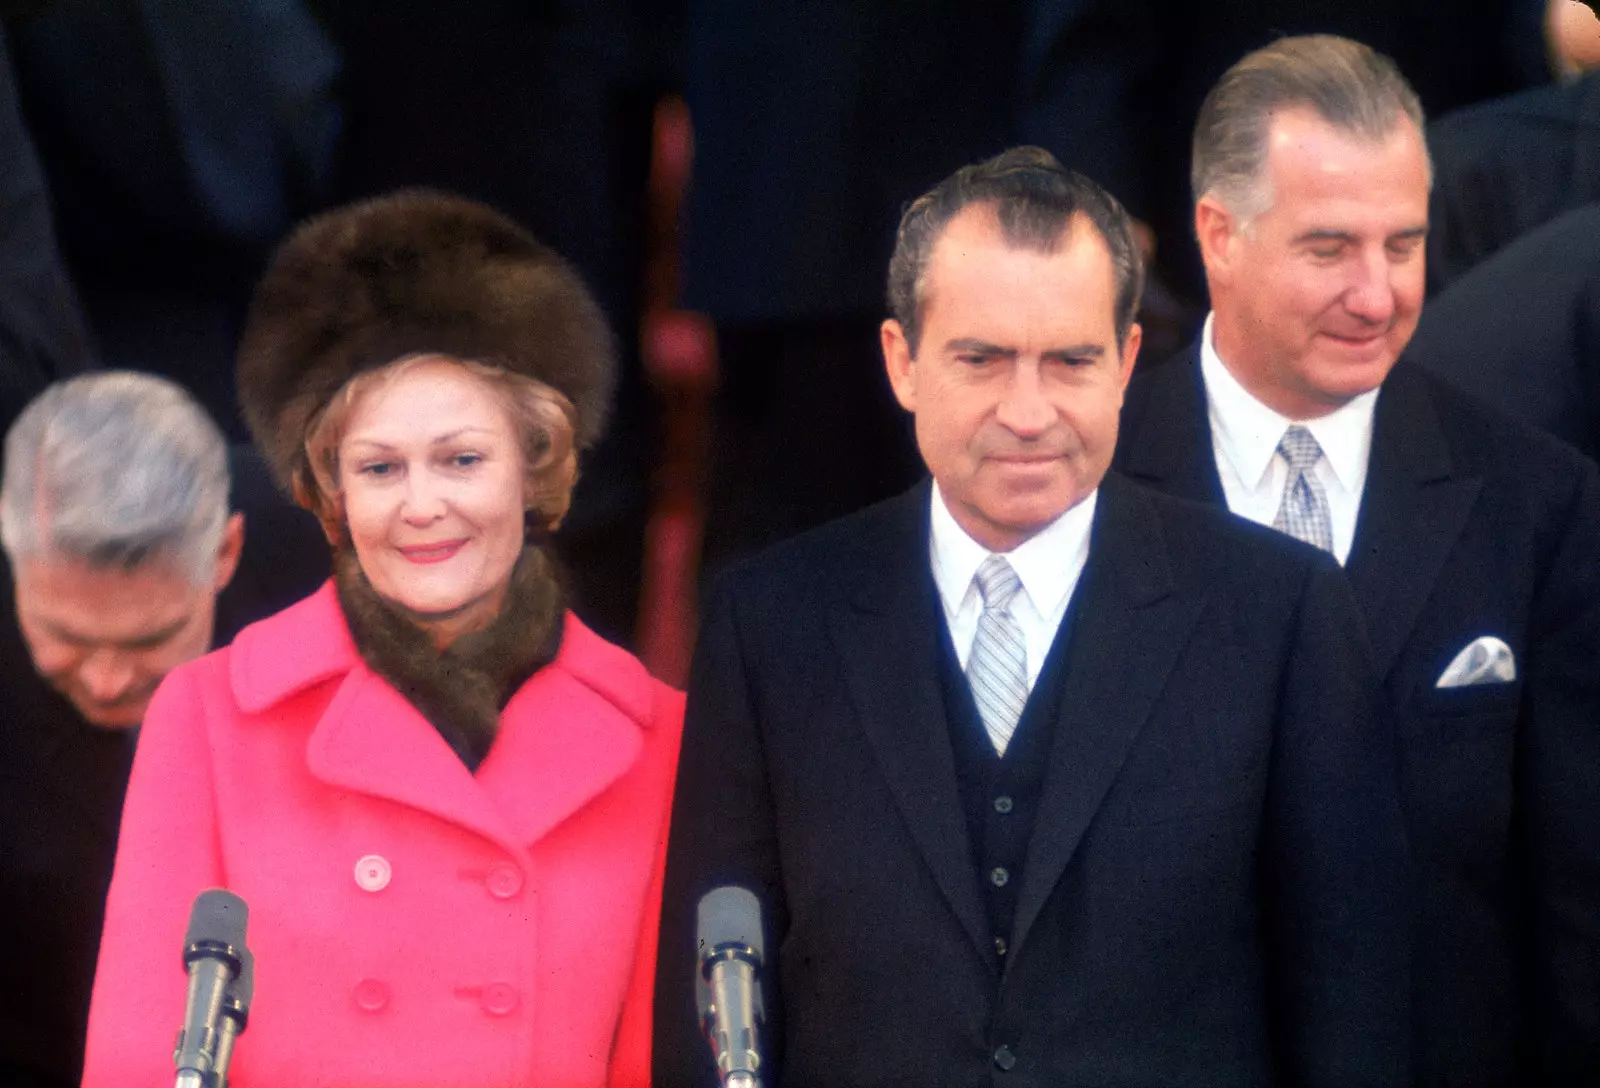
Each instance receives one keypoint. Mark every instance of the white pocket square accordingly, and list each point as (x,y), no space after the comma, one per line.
(1485,660)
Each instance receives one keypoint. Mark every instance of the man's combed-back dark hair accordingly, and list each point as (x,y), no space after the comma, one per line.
(1035,199)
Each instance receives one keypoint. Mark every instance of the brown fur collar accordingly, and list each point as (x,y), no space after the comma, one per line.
(461,690)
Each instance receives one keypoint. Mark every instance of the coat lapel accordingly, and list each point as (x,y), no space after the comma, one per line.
(1129,628)
(886,632)
(572,730)
(1169,446)
(563,740)
(1413,510)
(371,740)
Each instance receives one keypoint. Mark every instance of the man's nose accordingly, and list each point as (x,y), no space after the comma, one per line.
(1371,296)
(107,675)
(1024,409)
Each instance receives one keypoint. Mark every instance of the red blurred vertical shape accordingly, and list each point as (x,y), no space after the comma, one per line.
(679,353)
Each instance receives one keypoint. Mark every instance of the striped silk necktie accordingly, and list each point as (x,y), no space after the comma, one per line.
(1303,514)
(997,667)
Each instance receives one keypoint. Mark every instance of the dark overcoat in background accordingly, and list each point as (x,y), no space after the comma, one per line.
(1521,331)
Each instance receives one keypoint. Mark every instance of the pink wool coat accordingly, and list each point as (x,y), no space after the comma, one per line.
(412,923)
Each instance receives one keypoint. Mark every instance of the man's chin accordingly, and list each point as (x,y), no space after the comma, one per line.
(120,716)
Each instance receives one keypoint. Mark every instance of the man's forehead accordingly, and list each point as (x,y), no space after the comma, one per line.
(153,593)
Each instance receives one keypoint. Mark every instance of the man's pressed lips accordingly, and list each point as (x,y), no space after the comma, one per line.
(433,553)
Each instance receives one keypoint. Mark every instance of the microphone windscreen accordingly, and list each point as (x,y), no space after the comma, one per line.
(218,917)
(730,915)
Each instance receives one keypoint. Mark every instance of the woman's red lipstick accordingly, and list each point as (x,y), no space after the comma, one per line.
(433,553)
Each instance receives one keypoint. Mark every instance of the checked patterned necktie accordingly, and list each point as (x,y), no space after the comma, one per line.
(997,667)
(1303,514)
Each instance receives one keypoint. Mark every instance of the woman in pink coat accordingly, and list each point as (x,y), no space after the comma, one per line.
(443,798)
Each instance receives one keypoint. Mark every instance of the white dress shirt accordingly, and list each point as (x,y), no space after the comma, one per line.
(1245,435)
(1048,564)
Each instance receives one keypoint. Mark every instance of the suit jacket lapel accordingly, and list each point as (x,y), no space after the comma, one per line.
(1413,510)
(886,630)
(1128,630)
(1171,446)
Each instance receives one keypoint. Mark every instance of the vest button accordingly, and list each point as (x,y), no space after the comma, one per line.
(999,877)
(1004,1060)
(1003,804)
(500,999)
(504,881)
(371,995)
(373,873)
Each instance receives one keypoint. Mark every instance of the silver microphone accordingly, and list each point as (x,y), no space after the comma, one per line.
(214,956)
(731,1012)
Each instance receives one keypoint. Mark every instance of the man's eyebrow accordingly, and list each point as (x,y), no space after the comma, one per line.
(967,346)
(1324,235)
(1077,351)
(153,638)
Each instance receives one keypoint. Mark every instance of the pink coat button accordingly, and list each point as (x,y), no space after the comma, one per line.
(504,881)
(500,999)
(373,873)
(371,995)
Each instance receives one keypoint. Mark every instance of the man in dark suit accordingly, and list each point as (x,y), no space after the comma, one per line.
(125,557)
(1040,777)
(1472,542)
(1543,365)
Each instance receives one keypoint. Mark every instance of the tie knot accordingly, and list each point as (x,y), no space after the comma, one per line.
(997,582)
(1299,447)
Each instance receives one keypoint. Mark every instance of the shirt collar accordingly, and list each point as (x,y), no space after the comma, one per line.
(1048,563)
(1247,432)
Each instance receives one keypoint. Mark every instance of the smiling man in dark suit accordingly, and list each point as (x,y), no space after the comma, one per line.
(1472,542)
(1042,778)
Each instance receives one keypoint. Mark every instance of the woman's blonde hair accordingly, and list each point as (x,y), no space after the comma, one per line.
(544,420)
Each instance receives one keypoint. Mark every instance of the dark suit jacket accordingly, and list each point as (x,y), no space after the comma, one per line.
(1470,525)
(1521,331)
(1215,889)
(1502,168)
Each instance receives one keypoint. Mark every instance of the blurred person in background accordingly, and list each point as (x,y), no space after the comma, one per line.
(180,139)
(125,557)
(42,338)
(443,798)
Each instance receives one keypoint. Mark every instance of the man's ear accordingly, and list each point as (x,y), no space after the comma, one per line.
(1215,228)
(228,554)
(900,365)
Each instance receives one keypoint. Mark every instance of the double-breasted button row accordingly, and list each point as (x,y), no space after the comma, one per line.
(496,999)
(373,874)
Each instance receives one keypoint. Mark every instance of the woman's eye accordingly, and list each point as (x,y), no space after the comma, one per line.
(378,468)
(466,460)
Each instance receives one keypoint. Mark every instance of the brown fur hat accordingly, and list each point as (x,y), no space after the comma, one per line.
(415,272)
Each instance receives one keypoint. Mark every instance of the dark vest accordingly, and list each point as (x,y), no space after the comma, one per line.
(1001,795)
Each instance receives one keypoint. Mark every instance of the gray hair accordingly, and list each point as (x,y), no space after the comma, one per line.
(1035,199)
(116,469)
(1350,86)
